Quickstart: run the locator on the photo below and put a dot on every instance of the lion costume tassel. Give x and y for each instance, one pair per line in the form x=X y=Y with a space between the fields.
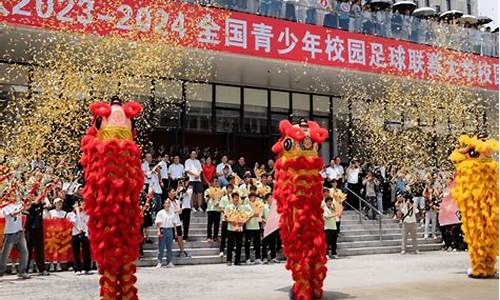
x=113 y=181
x=476 y=192
x=298 y=191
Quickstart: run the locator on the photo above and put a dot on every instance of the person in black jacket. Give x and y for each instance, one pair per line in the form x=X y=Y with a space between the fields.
x=34 y=235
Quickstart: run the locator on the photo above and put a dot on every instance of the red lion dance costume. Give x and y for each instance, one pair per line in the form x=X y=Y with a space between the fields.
x=113 y=181
x=298 y=191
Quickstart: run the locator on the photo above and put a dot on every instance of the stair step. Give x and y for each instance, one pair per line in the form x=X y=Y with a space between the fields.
x=383 y=243
x=192 y=251
x=193 y=260
x=370 y=237
x=387 y=250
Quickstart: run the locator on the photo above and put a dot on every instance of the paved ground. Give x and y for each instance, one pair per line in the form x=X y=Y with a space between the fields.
x=435 y=275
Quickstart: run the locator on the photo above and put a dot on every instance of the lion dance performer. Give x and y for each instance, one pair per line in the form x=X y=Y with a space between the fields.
x=476 y=192
x=113 y=182
x=298 y=191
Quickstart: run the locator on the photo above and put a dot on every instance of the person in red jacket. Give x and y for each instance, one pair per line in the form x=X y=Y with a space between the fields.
x=208 y=172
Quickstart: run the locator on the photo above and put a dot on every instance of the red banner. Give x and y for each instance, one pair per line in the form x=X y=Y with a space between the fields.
x=57 y=239
x=240 y=33
x=448 y=210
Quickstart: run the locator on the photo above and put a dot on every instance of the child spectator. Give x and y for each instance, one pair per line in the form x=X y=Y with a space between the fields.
x=252 y=228
x=223 y=204
x=330 y=227
x=212 y=197
x=235 y=228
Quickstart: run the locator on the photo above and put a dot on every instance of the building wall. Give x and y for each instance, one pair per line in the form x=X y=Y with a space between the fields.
x=454 y=4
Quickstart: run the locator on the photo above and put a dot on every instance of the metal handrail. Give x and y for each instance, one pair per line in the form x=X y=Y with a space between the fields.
x=379 y=213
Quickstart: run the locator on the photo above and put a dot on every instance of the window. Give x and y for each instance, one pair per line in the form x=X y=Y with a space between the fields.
x=469 y=7
x=321 y=105
x=300 y=104
x=227 y=120
x=198 y=106
x=275 y=122
x=168 y=89
x=427 y=3
x=255 y=115
x=280 y=102
x=228 y=96
x=448 y=4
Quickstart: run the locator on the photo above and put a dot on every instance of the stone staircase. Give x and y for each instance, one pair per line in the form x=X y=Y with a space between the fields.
x=355 y=239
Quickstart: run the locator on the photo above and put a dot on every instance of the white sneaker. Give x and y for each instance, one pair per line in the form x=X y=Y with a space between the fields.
x=52 y=268
x=249 y=262
x=221 y=254
x=170 y=265
x=194 y=210
x=258 y=262
x=265 y=261
x=58 y=267
x=327 y=257
x=403 y=252
x=274 y=260
x=417 y=252
x=158 y=266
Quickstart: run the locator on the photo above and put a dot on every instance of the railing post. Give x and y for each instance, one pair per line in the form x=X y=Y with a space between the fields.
x=359 y=209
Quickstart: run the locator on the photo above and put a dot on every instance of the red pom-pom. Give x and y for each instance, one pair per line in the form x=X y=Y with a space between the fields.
x=296 y=133
x=132 y=109
x=102 y=109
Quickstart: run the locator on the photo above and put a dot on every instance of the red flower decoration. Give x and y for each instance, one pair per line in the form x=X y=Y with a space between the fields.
x=132 y=109
x=296 y=133
x=102 y=109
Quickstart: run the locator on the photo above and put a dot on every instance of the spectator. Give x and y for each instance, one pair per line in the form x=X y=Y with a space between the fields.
x=81 y=243
x=352 y=176
x=311 y=14
x=417 y=186
x=270 y=167
x=270 y=240
x=265 y=7
x=408 y=211
x=276 y=8
x=146 y=168
x=290 y=10
x=176 y=206
x=235 y=230
x=175 y=172
x=432 y=199
x=193 y=169
x=163 y=165
x=165 y=222
x=241 y=168
x=252 y=228
x=396 y=24
x=330 y=227
x=185 y=192
x=343 y=9
x=259 y=170
x=225 y=178
x=368 y=22
x=223 y=164
x=155 y=187
x=57 y=213
x=208 y=172
x=371 y=186
x=34 y=234
x=212 y=197
x=223 y=204
x=13 y=236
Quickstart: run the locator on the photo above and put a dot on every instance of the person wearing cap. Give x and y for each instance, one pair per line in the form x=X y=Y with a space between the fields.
x=57 y=213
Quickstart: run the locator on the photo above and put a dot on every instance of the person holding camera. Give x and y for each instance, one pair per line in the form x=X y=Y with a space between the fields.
x=81 y=243
x=371 y=185
x=352 y=176
x=408 y=210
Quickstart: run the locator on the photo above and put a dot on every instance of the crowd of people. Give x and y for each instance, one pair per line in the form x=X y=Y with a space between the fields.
x=381 y=20
x=235 y=197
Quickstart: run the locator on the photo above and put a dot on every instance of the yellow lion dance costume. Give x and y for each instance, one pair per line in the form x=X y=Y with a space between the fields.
x=476 y=192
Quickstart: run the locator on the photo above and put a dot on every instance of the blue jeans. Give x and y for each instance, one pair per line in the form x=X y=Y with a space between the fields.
x=311 y=16
x=9 y=241
x=166 y=242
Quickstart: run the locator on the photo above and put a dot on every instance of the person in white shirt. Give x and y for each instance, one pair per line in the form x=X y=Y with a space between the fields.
x=352 y=177
x=408 y=210
x=175 y=172
x=193 y=169
x=148 y=159
x=219 y=170
x=163 y=165
x=185 y=193
x=81 y=244
x=57 y=213
x=177 y=207
x=156 y=186
x=13 y=236
x=165 y=222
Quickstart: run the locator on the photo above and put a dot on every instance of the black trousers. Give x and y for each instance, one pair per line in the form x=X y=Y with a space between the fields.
x=351 y=198
x=331 y=241
x=223 y=236
x=254 y=237
x=213 y=222
x=269 y=242
x=338 y=227
x=34 y=240
x=234 y=239
x=186 y=218
x=81 y=245
x=165 y=188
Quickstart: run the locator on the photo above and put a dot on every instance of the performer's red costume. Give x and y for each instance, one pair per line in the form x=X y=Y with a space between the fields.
x=113 y=181
x=298 y=191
